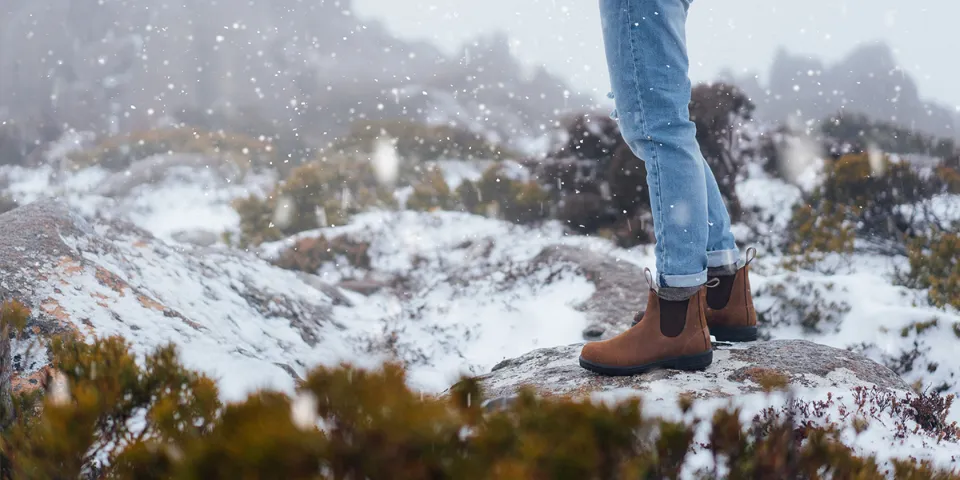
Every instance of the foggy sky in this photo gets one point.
(740, 34)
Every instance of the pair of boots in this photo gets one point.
(676, 334)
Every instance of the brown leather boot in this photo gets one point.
(730, 313)
(670, 335)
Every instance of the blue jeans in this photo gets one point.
(646, 51)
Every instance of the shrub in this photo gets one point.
(950, 177)
(345, 422)
(311, 253)
(419, 142)
(433, 193)
(256, 221)
(794, 302)
(935, 265)
(512, 200)
(117, 153)
(857, 132)
(719, 111)
(815, 232)
(873, 191)
(317, 194)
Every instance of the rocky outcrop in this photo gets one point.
(109, 277)
(735, 371)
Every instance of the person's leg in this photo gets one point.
(722, 253)
(647, 57)
(646, 53)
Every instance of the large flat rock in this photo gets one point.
(735, 370)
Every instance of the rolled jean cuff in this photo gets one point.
(692, 280)
(721, 258)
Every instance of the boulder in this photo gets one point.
(736, 370)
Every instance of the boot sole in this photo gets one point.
(734, 334)
(699, 361)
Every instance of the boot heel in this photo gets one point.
(692, 362)
(734, 334)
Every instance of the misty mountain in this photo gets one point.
(866, 81)
(312, 67)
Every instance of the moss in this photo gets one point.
(311, 253)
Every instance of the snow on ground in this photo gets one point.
(474, 297)
(184, 199)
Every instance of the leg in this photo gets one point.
(722, 253)
(645, 44)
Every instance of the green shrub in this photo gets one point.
(311, 253)
(512, 200)
(935, 265)
(433, 193)
(950, 177)
(873, 191)
(348, 423)
(316, 194)
(256, 221)
(815, 232)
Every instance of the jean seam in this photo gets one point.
(658, 224)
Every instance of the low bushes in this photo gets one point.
(935, 265)
(116, 153)
(317, 194)
(417, 142)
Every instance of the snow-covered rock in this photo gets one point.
(736, 370)
(232, 315)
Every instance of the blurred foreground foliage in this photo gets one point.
(106, 415)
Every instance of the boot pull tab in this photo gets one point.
(649, 276)
(751, 255)
(713, 282)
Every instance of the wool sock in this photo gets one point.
(723, 270)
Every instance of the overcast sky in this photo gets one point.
(564, 35)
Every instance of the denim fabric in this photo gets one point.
(646, 51)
